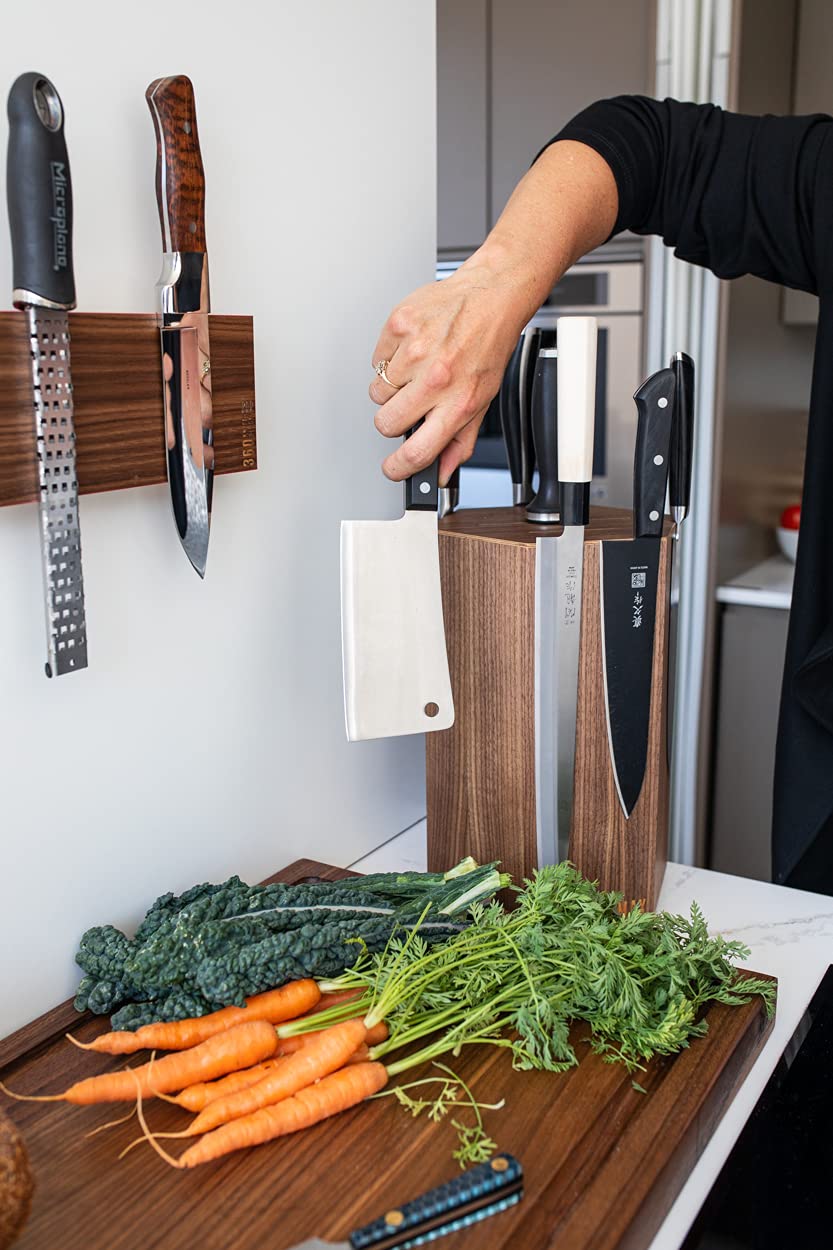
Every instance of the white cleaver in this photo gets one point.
(392, 632)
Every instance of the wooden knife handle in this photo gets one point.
(180, 180)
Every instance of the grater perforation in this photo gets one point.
(49, 342)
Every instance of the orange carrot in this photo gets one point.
(289, 1001)
(198, 1096)
(333, 1093)
(238, 1047)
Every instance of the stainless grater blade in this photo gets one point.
(66, 627)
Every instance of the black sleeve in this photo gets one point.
(734, 193)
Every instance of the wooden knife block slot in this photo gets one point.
(481, 778)
(117, 391)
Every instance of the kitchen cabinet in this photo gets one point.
(753, 639)
(510, 73)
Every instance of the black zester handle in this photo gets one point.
(481, 1191)
(39, 194)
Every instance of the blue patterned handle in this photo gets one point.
(481, 1191)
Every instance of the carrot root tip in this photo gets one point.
(80, 1045)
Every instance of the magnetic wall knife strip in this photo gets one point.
(119, 424)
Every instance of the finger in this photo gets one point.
(424, 445)
(398, 325)
(381, 391)
(460, 449)
(426, 389)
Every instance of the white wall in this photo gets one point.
(207, 735)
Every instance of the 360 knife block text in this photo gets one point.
(482, 772)
(117, 391)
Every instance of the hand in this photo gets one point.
(447, 346)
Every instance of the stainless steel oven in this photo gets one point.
(609, 285)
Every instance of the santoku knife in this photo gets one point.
(184, 297)
(395, 663)
(629, 573)
(559, 575)
(473, 1196)
(39, 194)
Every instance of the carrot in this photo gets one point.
(238, 1047)
(198, 1096)
(322, 1054)
(287, 1002)
(333, 1093)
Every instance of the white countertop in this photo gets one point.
(767, 585)
(790, 936)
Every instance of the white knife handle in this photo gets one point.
(576, 338)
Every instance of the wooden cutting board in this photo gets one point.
(602, 1162)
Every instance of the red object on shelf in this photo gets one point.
(791, 517)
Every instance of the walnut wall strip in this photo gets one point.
(119, 423)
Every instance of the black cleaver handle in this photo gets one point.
(422, 491)
(544, 508)
(39, 193)
(655, 406)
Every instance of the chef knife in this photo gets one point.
(543, 508)
(394, 657)
(559, 567)
(515, 400)
(473, 1196)
(679, 486)
(39, 194)
(184, 298)
(629, 574)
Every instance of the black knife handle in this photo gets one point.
(682, 433)
(481, 1191)
(544, 507)
(529, 361)
(422, 491)
(655, 408)
(510, 413)
(180, 178)
(39, 193)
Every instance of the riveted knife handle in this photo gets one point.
(544, 506)
(180, 180)
(481, 1191)
(39, 192)
(422, 491)
(682, 433)
(577, 339)
(511, 415)
(655, 408)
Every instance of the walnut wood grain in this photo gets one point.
(602, 1163)
(119, 423)
(180, 178)
(481, 772)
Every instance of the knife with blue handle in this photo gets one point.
(629, 574)
(473, 1196)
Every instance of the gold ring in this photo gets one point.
(381, 370)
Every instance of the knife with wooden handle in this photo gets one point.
(471, 1197)
(39, 192)
(185, 305)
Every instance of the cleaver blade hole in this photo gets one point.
(431, 709)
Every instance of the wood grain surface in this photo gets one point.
(481, 771)
(117, 386)
(602, 1162)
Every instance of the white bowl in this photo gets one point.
(787, 541)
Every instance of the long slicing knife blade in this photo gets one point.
(39, 192)
(559, 584)
(185, 305)
(629, 575)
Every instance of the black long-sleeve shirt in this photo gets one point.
(754, 195)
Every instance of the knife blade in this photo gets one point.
(39, 191)
(559, 566)
(482, 1191)
(543, 508)
(394, 658)
(185, 304)
(629, 573)
(515, 401)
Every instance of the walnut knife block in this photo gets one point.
(117, 392)
(481, 772)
